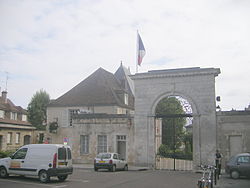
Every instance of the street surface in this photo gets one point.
(88, 178)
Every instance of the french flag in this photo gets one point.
(140, 50)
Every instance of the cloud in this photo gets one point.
(54, 44)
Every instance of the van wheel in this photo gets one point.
(3, 172)
(43, 176)
(62, 178)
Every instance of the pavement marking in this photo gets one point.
(79, 180)
(45, 185)
(58, 186)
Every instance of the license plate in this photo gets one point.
(101, 161)
(62, 163)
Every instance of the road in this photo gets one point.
(87, 178)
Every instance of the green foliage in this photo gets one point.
(164, 151)
(53, 126)
(4, 154)
(172, 128)
(176, 143)
(188, 142)
(37, 109)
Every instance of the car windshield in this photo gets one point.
(104, 155)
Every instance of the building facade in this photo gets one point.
(233, 133)
(15, 130)
(98, 115)
(95, 116)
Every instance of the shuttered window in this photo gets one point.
(102, 144)
(84, 144)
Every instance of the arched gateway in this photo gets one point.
(197, 85)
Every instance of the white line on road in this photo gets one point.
(45, 185)
(59, 186)
(79, 180)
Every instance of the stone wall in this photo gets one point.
(111, 125)
(15, 145)
(233, 133)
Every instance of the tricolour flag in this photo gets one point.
(140, 50)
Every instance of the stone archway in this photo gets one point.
(197, 85)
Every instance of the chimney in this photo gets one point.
(4, 96)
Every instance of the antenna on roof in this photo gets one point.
(6, 84)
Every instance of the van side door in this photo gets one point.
(17, 163)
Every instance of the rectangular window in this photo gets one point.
(1, 114)
(24, 117)
(9, 138)
(121, 137)
(126, 98)
(84, 144)
(71, 113)
(13, 115)
(102, 144)
(62, 153)
(17, 138)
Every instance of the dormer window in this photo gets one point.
(126, 98)
(2, 114)
(24, 117)
(13, 115)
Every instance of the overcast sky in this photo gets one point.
(55, 44)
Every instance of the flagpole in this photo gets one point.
(136, 58)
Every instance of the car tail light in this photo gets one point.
(110, 162)
(55, 160)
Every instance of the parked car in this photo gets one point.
(42, 160)
(239, 165)
(110, 161)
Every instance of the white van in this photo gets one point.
(43, 160)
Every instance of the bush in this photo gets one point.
(4, 154)
(53, 126)
(164, 151)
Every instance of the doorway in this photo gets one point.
(235, 146)
(26, 139)
(121, 146)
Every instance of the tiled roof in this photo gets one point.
(8, 106)
(99, 89)
(13, 122)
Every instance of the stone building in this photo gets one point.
(95, 116)
(98, 115)
(233, 132)
(15, 130)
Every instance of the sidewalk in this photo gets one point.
(91, 166)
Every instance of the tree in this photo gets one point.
(37, 109)
(172, 128)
